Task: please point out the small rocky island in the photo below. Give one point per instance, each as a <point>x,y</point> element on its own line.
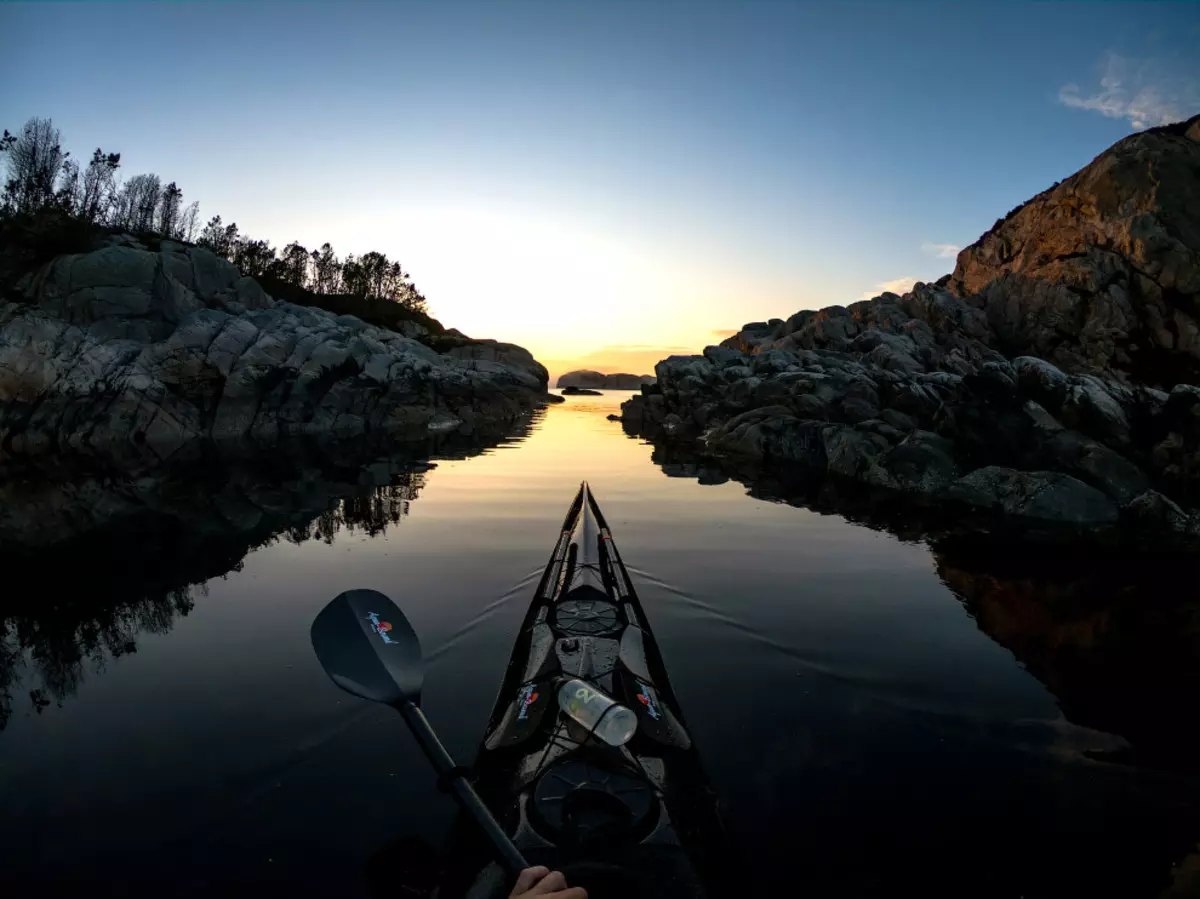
<point>595,380</point>
<point>136,348</point>
<point>1050,382</point>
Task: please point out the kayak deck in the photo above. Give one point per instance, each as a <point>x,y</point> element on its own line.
<point>636,819</point>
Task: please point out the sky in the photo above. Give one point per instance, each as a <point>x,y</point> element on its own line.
<point>608,183</point>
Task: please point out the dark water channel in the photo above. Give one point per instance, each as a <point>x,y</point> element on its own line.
<point>880,716</point>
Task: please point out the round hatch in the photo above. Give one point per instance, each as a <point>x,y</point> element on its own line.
<point>587,618</point>
<point>581,803</point>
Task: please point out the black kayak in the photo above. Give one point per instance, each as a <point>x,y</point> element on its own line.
<point>636,819</point>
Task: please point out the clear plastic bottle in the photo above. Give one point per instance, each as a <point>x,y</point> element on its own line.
<point>597,712</point>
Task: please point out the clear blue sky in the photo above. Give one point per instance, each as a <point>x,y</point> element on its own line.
<point>578,177</point>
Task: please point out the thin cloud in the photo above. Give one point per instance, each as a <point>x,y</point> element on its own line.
<point>722,333</point>
<point>896,285</point>
<point>941,250</point>
<point>1140,90</point>
<point>636,348</point>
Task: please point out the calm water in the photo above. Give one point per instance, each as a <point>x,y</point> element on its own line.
<point>879,717</point>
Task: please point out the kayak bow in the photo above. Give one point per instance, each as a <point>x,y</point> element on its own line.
<point>632,819</point>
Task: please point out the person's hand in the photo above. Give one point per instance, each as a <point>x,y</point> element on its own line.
<point>541,881</point>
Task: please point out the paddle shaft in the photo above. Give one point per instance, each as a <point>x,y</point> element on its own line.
<point>509,855</point>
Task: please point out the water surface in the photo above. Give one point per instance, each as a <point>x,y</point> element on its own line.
<point>879,717</point>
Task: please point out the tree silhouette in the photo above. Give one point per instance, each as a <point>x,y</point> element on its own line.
<point>35,160</point>
<point>294,264</point>
<point>99,185</point>
<point>169,204</point>
<point>136,207</point>
<point>253,257</point>
<point>327,270</point>
<point>42,177</point>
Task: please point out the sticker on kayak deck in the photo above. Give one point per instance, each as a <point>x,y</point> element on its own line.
<point>380,627</point>
<point>647,699</point>
<point>526,697</point>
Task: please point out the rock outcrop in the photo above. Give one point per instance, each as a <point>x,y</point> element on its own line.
<point>1049,380</point>
<point>1101,272</point>
<point>601,381</point>
<point>123,350</point>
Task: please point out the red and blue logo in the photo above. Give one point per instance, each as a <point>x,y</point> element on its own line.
<point>380,627</point>
<point>526,697</point>
<point>646,697</point>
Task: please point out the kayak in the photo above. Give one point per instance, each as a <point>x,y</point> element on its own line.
<point>587,763</point>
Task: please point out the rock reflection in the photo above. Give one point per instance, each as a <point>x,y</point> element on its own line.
<point>94,559</point>
<point>1115,638</point>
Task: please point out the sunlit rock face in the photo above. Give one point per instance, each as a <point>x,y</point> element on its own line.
<point>1101,272</point>
<point>1049,380</point>
<point>125,350</point>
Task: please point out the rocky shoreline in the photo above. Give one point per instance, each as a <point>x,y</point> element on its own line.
<point>126,351</point>
<point>1050,382</point>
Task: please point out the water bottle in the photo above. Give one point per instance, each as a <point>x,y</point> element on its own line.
<point>597,712</point>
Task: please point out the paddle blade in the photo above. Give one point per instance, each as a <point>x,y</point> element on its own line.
<point>366,645</point>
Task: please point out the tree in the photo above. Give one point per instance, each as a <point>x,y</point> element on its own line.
<point>187,222</point>
<point>294,264</point>
<point>35,160</point>
<point>253,257</point>
<point>413,299</point>
<point>221,239</point>
<point>327,270</point>
<point>137,202</point>
<point>354,280</point>
<point>99,185</point>
<point>170,203</point>
<point>374,267</point>
<point>68,196</point>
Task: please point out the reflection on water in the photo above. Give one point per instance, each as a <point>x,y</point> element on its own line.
<point>46,651</point>
<point>867,735</point>
<point>109,555</point>
<point>1117,641</point>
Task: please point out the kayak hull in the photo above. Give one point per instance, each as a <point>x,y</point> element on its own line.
<point>630,820</point>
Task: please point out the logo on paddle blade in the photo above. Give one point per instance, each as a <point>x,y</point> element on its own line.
<point>646,698</point>
<point>380,627</point>
<point>526,697</point>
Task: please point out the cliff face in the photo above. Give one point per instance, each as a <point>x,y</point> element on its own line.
<point>1101,273</point>
<point>126,351</point>
<point>600,381</point>
<point>1050,378</point>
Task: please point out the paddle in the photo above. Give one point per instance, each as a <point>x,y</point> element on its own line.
<point>366,645</point>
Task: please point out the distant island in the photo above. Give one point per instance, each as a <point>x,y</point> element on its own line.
<point>599,380</point>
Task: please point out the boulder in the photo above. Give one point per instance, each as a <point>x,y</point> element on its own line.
<point>506,354</point>
<point>1151,512</point>
<point>923,463</point>
<point>1037,496</point>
